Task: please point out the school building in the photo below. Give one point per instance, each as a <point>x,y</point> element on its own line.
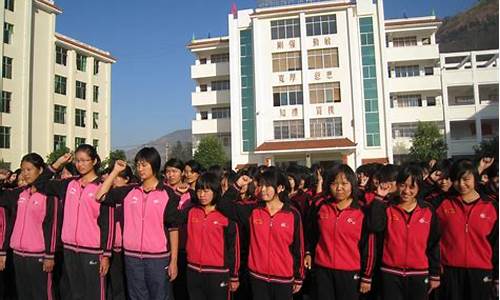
<point>56,91</point>
<point>303,82</point>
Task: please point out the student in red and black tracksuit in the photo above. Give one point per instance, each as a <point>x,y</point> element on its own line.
<point>34,232</point>
<point>490,189</point>
<point>444,185</point>
<point>87,227</point>
<point>339,240</point>
<point>469,243</point>
<point>410,258</point>
<point>275,259</point>
<point>150,241</point>
<point>117,281</point>
<point>212,244</point>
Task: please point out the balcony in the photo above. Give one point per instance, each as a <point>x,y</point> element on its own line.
<point>210,98</point>
<point>461,147</point>
<point>416,83</point>
<point>417,113</point>
<point>210,70</point>
<point>425,52</point>
<point>211,126</point>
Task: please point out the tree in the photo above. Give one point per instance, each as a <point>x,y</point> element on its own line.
<point>52,157</point>
<point>113,156</point>
<point>487,148</point>
<point>210,152</point>
<point>428,143</point>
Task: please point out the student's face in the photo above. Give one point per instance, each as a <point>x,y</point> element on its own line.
<point>494,182</point>
<point>224,184</point>
<point>363,179</point>
<point>190,176</point>
<point>444,183</point>
<point>292,183</point>
<point>84,163</point>
<point>244,190</point>
<point>436,175</point>
<point>173,175</point>
<point>29,173</point>
<point>268,193</point>
<point>408,190</point>
<point>144,170</point>
<point>65,174</point>
<point>120,181</point>
<point>302,184</point>
<point>465,184</point>
<point>205,196</point>
<point>341,188</point>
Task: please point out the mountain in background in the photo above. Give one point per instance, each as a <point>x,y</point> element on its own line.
<point>473,29</point>
<point>183,136</point>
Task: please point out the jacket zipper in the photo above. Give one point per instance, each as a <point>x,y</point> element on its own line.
<point>268,247</point>
<point>24,223</point>
<point>78,216</point>
<point>144,203</point>
<point>467,218</point>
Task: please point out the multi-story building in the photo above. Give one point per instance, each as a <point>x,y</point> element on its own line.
<point>56,91</point>
<point>322,81</point>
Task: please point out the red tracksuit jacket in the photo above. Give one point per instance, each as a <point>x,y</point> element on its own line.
<point>334,235</point>
<point>87,226</point>
<point>35,222</point>
<point>212,244</point>
<point>411,241</point>
<point>276,251</point>
<point>147,218</point>
<point>469,233</point>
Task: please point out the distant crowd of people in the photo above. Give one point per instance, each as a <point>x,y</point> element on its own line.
<point>420,230</point>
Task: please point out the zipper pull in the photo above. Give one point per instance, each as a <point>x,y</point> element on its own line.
<point>466,227</point>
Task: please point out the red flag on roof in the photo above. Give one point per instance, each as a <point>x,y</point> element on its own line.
<point>234,10</point>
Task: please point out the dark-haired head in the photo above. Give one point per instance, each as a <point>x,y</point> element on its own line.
<point>32,166</point>
<point>409,182</point>
<point>274,183</point>
<point>208,190</point>
<point>217,170</point>
<point>464,176</point>
<point>148,163</point>
<point>192,171</point>
<point>341,182</point>
<point>173,170</point>
<point>87,159</point>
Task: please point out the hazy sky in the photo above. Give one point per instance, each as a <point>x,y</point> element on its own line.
<point>151,84</point>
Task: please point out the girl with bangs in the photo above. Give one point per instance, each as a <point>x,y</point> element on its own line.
<point>212,244</point>
<point>87,227</point>
<point>339,240</point>
<point>410,262</point>
<point>150,241</point>
<point>275,259</point>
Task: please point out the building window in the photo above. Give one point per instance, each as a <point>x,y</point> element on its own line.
<point>204,115</point>
<point>326,127</point>
<point>288,129</point>
<point>224,138</point>
<point>95,143</point>
<point>219,58</point>
<point>431,101</point>
<point>203,88</point>
<point>429,71</point>
<point>324,92</point>
<point>426,41</point>
<point>96,94</point>
<point>61,55</point>
<point>221,113</point>
<point>323,58</point>
<point>96,66</point>
<point>9,5</point>
<point>80,117</point>
<point>407,41</point>
<point>59,142</point>
<point>203,61</point>
<point>81,88</point>
<point>287,61</point>
<point>79,141</point>
<point>5,102</point>
<point>81,62</point>
<point>8,31</point>
<point>7,67</point>
<point>320,25</point>
<point>4,137</point>
<point>60,85</point>
<point>287,95</point>
<point>95,120</point>
<point>220,85</point>
<point>407,71</point>
<point>409,101</point>
<point>59,114</point>
<point>285,29</point>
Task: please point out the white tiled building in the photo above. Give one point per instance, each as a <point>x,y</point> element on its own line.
<point>330,81</point>
<point>56,91</point>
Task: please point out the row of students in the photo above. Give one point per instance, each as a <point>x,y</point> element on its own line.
<point>340,231</point>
